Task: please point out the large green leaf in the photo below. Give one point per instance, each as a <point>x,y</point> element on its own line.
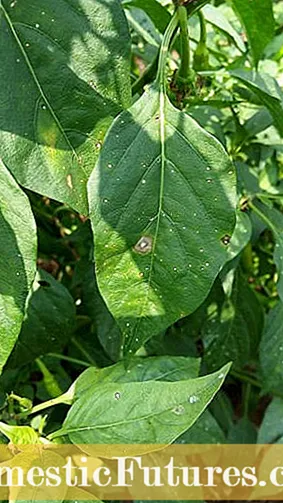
<point>267,90</point>
<point>234,333</point>
<point>148,412</point>
<point>49,321</point>
<point>162,201</point>
<point>17,260</point>
<point>253,14</point>
<point>271,349</point>
<point>64,75</point>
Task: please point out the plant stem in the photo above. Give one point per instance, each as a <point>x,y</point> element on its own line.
<point>70,359</point>
<point>161,74</point>
<point>203,34</point>
<point>83,351</point>
<point>246,378</point>
<point>62,399</point>
<point>246,400</point>
<point>185,43</point>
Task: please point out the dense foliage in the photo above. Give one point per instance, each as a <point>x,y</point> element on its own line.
<point>141,221</point>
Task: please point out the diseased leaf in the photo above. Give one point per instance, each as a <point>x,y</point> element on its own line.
<point>17,260</point>
<point>67,65</point>
<point>267,90</point>
<point>49,321</point>
<point>148,412</point>
<point>271,350</point>
<point>234,333</point>
<point>214,16</point>
<point>162,203</point>
<point>158,368</point>
<point>253,14</point>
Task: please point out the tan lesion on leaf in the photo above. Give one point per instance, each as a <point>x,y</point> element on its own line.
<point>144,245</point>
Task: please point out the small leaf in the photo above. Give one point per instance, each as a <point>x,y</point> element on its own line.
<point>214,16</point>
<point>267,90</point>
<point>129,413</point>
<point>17,260</point>
<point>19,434</point>
<point>271,349</point>
<point>234,333</point>
<point>162,203</point>
<point>157,13</point>
<point>67,64</point>
<point>253,14</point>
<point>49,321</point>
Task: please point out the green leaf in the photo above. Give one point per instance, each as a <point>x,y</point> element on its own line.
<point>162,204</point>
<point>267,90</point>
<point>157,13</point>
<point>49,321</point>
<point>214,16</point>
<point>129,413</point>
<point>17,260</point>
<point>243,432</point>
<point>274,219</point>
<point>241,235</point>
<point>271,349</point>
<point>159,368</point>
<point>67,64</point>
<point>253,15</point>
<point>104,324</point>
<point>234,333</point>
<point>19,434</point>
<point>206,430</point>
<point>271,429</point>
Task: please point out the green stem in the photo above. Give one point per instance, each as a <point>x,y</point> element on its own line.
<point>246,400</point>
<point>161,73</point>
<point>203,34</point>
<point>66,398</point>
<point>83,351</point>
<point>70,359</point>
<point>246,378</point>
<point>185,43</point>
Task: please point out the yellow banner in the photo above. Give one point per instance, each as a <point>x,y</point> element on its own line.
<point>143,472</point>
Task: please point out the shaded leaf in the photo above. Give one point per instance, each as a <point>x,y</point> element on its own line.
<point>274,220</point>
<point>148,412</point>
<point>206,430</point>
<point>67,64</point>
<point>158,14</point>
<point>271,349</point>
<point>162,203</point>
<point>252,15</point>
<point>17,260</point>
<point>243,432</point>
<point>49,321</point>
<point>271,429</point>
<point>234,334</point>
<point>267,90</point>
